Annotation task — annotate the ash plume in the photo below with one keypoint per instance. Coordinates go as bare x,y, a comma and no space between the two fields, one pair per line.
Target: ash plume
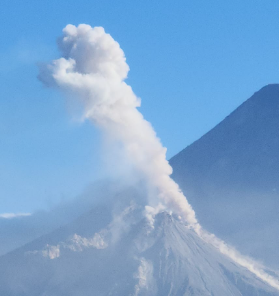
93,70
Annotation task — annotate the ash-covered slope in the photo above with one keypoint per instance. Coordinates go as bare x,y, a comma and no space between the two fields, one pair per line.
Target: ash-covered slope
231,174
128,257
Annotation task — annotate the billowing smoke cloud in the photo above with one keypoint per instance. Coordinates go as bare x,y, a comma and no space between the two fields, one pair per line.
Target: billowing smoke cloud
93,69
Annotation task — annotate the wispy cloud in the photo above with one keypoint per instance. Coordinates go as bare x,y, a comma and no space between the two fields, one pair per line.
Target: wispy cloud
13,215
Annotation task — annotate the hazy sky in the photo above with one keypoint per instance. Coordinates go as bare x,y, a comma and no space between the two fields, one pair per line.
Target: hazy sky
191,62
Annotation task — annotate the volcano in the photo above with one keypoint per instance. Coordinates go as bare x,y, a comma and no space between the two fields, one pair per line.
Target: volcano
128,256
231,176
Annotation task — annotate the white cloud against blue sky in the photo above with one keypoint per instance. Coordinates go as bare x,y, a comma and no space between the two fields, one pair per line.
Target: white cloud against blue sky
192,62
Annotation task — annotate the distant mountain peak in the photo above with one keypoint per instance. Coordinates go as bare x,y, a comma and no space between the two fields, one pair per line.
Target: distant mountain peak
231,176
267,95
269,88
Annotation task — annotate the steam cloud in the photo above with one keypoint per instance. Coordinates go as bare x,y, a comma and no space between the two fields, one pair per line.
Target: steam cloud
93,69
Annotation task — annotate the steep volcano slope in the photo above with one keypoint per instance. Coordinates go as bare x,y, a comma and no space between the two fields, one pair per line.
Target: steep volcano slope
128,257
231,176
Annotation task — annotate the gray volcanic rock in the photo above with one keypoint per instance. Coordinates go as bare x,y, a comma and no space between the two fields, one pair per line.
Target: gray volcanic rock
127,257
231,176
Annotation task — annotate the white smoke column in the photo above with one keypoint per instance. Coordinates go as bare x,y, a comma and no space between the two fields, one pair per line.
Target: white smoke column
93,69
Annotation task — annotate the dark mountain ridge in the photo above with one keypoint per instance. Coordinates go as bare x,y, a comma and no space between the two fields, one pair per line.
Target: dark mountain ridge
231,176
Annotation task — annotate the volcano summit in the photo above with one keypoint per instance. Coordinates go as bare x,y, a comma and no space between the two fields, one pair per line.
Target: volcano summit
166,259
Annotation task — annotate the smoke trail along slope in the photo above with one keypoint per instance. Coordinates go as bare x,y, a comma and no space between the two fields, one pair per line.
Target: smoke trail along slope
93,69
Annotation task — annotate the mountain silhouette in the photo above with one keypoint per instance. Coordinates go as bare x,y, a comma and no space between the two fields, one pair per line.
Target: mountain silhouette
231,176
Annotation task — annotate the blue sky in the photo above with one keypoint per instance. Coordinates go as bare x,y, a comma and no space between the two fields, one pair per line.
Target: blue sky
192,63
